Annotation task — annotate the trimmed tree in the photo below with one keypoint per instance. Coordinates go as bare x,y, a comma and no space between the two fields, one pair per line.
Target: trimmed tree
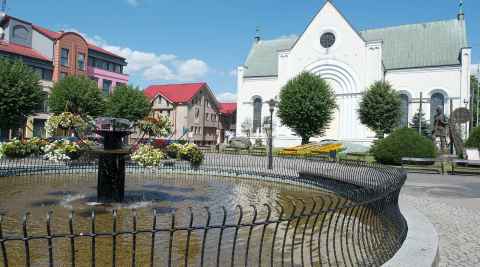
380,108
307,104
78,95
475,91
128,102
420,117
20,93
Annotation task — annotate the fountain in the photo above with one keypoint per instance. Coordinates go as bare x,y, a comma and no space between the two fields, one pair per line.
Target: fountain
111,159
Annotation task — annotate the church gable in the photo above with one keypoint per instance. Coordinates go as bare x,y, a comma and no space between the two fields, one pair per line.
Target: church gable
328,33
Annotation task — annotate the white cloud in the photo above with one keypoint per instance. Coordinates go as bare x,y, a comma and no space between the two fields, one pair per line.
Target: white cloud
152,66
134,3
191,69
158,72
288,36
227,97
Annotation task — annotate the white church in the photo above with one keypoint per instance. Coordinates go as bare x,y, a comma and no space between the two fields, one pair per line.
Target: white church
430,58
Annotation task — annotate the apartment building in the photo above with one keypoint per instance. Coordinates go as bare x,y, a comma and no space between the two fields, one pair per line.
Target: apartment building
54,55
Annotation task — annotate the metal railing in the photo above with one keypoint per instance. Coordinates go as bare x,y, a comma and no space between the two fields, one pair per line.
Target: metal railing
359,224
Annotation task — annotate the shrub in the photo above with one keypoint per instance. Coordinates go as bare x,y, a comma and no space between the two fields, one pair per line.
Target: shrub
190,152
173,150
403,142
63,150
148,156
474,139
22,149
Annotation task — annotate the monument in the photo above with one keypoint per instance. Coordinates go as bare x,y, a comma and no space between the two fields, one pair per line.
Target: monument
440,129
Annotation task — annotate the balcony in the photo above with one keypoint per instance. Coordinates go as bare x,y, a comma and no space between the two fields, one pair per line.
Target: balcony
102,74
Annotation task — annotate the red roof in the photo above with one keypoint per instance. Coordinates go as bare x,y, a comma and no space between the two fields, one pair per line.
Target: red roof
228,108
176,93
21,50
101,50
50,34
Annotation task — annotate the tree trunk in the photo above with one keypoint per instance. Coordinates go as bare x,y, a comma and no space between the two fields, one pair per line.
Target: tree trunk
305,140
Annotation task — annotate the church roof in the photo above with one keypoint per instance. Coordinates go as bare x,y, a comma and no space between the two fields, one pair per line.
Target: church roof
421,45
263,58
407,46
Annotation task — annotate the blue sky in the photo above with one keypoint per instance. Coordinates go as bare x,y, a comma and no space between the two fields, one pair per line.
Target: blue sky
169,41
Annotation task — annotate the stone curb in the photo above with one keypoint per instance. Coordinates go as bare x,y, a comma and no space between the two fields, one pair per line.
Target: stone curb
421,247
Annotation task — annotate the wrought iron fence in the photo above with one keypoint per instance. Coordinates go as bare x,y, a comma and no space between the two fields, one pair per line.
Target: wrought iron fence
359,224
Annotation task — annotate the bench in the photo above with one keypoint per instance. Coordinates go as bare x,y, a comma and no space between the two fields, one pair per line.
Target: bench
419,165
465,166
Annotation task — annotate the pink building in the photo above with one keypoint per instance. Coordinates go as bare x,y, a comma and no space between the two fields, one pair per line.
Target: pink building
106,69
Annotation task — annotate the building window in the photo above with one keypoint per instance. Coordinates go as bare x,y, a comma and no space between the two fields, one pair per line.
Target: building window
20,33
64,57
120,84
404,109
63,75
107,85
91,61
43,106
436,101
47,75
327,40
81,61
257,114
118,68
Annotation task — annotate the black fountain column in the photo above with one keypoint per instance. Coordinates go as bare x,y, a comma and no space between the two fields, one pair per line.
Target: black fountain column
111,166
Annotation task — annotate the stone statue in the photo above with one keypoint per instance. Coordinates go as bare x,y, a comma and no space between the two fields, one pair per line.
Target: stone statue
440,129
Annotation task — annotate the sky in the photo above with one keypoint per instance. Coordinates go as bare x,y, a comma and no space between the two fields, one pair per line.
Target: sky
176,41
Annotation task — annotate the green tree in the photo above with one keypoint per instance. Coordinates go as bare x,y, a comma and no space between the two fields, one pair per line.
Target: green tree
128,102
78,95
415,124
20,93
380,108
307,104
475,91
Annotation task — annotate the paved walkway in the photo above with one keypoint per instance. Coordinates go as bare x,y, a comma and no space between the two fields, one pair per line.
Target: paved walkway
452,203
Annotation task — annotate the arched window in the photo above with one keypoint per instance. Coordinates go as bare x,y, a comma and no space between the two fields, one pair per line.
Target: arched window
404,109
257,114
437,100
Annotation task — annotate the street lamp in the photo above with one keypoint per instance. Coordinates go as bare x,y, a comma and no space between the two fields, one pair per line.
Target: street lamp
269,130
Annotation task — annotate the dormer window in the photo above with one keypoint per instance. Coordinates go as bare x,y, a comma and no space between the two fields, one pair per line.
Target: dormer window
20,32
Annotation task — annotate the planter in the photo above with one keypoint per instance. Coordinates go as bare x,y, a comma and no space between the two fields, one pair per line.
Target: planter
74,155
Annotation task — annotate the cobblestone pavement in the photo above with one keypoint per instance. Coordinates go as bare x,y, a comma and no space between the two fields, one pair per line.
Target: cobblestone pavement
452,203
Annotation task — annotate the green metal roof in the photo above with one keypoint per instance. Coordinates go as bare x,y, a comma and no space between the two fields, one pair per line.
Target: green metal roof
407,46
263,57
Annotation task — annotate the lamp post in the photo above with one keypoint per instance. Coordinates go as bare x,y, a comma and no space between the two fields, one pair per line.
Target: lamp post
269,129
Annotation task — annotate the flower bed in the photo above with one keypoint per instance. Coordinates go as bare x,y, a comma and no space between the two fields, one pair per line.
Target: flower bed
65,121
63,150
311,150
161,126
22,149
149,156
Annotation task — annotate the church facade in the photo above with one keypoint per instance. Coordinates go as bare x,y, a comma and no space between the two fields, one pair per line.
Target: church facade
429,59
